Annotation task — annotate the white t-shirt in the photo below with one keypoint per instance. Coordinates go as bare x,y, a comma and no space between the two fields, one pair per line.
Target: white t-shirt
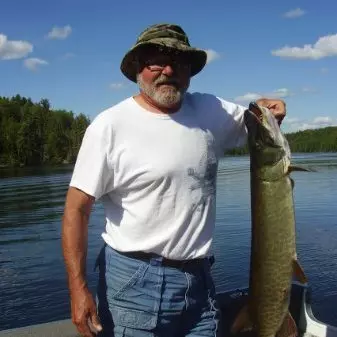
156,173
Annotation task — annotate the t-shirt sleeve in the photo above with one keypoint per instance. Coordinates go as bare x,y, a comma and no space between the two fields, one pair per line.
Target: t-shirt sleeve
235,131
93,171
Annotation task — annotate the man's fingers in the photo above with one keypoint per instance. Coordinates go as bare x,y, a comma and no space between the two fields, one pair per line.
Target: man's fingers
94,321
276,106
83,327
279,116
84,314
279,111
84,330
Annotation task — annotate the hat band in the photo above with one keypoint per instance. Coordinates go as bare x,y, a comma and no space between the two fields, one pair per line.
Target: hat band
164,34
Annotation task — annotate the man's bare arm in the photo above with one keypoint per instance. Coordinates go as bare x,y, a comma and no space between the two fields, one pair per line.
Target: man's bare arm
75,236
75,245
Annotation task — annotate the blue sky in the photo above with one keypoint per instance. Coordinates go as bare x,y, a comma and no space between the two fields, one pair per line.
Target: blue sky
69,51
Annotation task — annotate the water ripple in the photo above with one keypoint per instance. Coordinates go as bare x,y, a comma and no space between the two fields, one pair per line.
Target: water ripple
32,269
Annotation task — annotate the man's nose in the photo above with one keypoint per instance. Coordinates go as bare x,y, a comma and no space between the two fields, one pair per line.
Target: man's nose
168,70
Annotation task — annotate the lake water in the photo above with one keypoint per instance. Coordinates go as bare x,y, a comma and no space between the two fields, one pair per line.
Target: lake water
32,279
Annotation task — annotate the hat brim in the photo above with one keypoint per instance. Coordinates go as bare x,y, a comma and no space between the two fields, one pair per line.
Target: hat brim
129,66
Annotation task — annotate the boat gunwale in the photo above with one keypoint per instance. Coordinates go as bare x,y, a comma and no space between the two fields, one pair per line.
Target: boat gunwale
307,317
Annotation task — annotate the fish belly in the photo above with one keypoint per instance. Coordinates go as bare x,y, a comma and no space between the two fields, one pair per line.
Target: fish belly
272,253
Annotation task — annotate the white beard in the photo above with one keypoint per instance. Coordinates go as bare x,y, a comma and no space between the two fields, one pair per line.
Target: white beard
165,96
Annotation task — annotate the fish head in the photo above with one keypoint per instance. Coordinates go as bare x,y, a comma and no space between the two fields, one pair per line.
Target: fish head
267,144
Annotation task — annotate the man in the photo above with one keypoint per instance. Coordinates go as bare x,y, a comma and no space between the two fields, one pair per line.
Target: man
152,161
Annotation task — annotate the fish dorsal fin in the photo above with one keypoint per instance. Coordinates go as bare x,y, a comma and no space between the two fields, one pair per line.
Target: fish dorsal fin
288,327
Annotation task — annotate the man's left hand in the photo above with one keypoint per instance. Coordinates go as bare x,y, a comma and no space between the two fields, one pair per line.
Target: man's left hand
276,106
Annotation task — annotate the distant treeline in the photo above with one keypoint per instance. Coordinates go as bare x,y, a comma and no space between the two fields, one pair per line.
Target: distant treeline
34,134
313,140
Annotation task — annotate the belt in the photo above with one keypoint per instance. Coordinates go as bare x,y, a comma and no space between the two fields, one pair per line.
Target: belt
178,264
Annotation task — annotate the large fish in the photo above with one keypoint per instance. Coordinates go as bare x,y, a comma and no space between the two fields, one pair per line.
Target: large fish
273,260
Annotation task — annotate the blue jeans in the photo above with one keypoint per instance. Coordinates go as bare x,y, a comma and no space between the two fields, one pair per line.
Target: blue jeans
143,299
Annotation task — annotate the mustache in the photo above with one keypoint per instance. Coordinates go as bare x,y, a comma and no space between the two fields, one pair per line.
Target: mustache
169,81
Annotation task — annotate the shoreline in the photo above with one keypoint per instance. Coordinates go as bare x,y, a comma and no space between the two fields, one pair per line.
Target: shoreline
64,164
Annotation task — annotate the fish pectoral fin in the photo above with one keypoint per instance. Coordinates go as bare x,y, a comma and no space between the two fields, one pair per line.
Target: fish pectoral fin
293,168
242,321
299,272
288,327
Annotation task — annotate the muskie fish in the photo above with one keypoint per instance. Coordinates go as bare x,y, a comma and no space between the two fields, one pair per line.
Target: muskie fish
273,259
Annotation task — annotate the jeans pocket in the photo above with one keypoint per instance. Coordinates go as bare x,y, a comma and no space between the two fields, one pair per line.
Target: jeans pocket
134,319
119,331
133,292
119,280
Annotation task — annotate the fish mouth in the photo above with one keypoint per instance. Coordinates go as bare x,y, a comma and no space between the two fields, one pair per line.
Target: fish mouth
257,124
264,135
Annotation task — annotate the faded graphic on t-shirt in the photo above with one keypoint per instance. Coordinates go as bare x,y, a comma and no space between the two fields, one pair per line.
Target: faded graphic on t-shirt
205,181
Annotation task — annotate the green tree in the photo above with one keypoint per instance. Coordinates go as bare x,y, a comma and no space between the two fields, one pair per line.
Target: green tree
34,134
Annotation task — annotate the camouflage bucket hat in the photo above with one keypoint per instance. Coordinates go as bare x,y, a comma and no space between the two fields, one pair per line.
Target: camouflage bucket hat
169,37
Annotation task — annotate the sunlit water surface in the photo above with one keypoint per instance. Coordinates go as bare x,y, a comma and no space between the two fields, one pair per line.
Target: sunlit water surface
32,279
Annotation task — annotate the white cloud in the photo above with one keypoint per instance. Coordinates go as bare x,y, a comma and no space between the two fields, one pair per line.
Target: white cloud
212,55
297,124
59,33
67,56
10,50
323,120
294,13
309,90
279,93
116,86
251,96
324,47
292,120
33,63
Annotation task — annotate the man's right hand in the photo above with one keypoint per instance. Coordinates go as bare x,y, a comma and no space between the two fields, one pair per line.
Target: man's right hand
83,312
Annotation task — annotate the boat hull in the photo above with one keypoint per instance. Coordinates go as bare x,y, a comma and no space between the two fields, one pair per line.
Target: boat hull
230,303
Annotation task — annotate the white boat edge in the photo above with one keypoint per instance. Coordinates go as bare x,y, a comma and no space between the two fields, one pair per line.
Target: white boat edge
308,324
